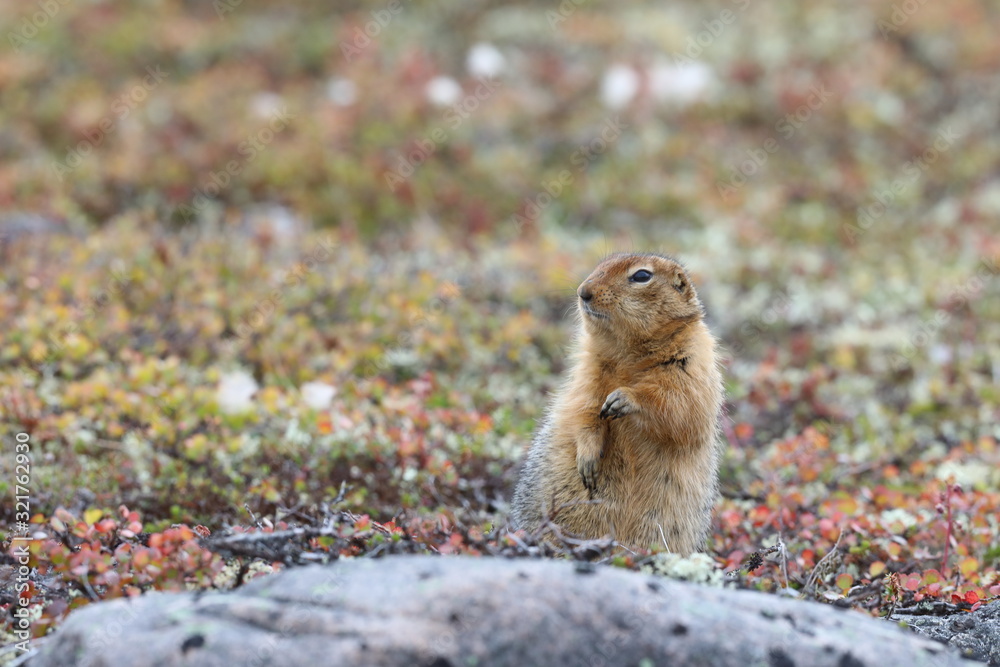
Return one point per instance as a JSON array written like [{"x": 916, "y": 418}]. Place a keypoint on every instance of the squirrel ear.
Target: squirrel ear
[{"x": 678, "y": 282}]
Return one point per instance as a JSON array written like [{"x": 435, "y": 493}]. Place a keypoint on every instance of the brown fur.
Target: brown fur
[{"x": 630, "y": 445}]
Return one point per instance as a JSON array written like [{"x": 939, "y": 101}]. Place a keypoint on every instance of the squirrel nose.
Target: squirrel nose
[{"x": 585, "y": 293}]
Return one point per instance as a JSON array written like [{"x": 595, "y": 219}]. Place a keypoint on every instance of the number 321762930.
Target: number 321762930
[{"x": 22, "y": 477}]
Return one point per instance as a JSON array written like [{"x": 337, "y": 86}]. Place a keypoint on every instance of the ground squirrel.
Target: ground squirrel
[{"x": 630, "y": 444}]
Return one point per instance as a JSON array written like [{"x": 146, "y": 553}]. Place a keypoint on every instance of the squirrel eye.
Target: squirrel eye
[{"x": 640, "y": 276}]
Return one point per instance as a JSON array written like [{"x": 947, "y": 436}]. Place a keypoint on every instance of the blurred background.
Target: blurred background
[
  {"x": 250, "y": 250},
  {"x": 124, "y": 111}
]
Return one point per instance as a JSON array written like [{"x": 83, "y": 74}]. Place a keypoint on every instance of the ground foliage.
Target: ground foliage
[{"x": 826, "y": 172}]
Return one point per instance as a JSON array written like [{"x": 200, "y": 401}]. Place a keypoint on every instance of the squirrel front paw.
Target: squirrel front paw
[
  {"x": 588, "y": 472},
  {"x": 618, "y": 404}
]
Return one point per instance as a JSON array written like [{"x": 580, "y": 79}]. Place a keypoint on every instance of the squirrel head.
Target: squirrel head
[{"x": 637, "y": 297}]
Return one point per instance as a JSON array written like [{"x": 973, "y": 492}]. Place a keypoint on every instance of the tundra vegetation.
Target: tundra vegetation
[{"x": 268, "y": 268}]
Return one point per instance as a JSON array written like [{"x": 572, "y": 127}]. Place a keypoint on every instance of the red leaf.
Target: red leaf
[
  {"x": 971, "y": 597},
  {"x": 743, "y": 430},
  {"x": 106, "y": 526}
]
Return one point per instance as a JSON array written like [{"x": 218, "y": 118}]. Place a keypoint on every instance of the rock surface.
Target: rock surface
[
  {"x": 439, "y": 611},
  {"x": 976, "y": 634}
]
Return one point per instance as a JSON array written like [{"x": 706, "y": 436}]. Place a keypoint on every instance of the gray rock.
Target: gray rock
[
  {"x": 438, "y": 611},
  {"x": 976, "y": 635},
  {"x": 16, "y": 224}
]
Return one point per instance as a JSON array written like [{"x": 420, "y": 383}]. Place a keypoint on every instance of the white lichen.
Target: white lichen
[{"x": 698, "y": 568}]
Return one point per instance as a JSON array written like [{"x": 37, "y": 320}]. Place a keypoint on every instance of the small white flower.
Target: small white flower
[
  {"x": 443, "y": 91},
  {"x": 940, "y": 354},
  {"x": 295, "y": 435},
  {"x": 891, "y": 516},
  {"x": 684, "y": 84},
  {"x": 85, "y": 437},
  {"x": 266, "y": 104},
  {"x": 235, "y": 390},
  {"x": 342, "y": 92},
  {"x": 619, "y": 85},
  {"x": 484, "y": 61},
  {"x": 318, "y": 395}
]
